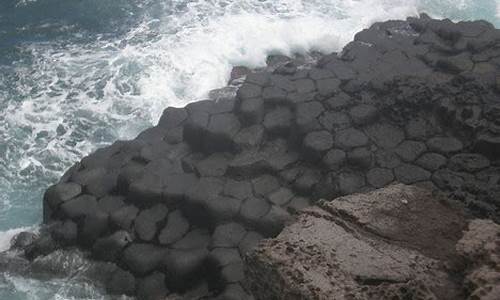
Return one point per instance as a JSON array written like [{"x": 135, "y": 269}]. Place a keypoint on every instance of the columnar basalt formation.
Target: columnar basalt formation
[{"x": 175, "y": 209}]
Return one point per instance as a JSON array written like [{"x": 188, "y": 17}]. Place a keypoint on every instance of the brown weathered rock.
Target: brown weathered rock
[
  {"x": 480, "y": 246},
  {"x": 392, "y": 243}
]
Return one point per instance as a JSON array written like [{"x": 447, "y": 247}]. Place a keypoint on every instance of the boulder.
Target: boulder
[
  {"x": 379, "y": 177},
  {"x": 264, "y": 185},
  {"x": 334, "y": 158},
  {"x": 445, "y": 145},
  {"x": 281, "y": 196},
  {"x": 304, "y": 85},
  {"x": 360, "y": 157},
  {"x": 124, "y": 217},
  {"x": 253, "y": 209},
  {"x": 278, "y": 121},
  {"x": 252, "y": 110},
  {"x": 431, "y": 161},
  {"x": 220, "y": 132},
  {"x": 349, "y": 182},
  {"x": 121, "y": 283},
  {"x": 469, "y": 162},
  {"x": 273, "y": 94},
  {"x": 328, "y": 87},
  {"x": 250, "y": 240},
  {"x": 147, "y": 220},
  {"x": 350, "y": 138},
  {"x": 197, "y": 238},
  {"x": 409, "y": 174},
  {"x": 317, "y": 143},
  {"x": 109, "y": 248},
  {"x": 81, "y": 206},
  {"x": 143, "y": 258},
  {"x": 306, "y": 116},
  {"x": 488, "y": 145},
  {"x": 385, "y": 135},
  {"x": 363, "y": 114},
  {"x": 61, "y": 192},
  {"x": 65, "y": 232},
  {"x": 175, "y": 228},
  {"x": 249, "y": 90},
  {"x": 109, "y": 204},
  {"x": 214, "y": 165},
  {"x": 410, "y": 150},
  {"x": 228, "y": 235},
  {"x": 93, "y": 227},
  {"x": 152, "y": 287},
  {"x": 333, "y": 120},
  {"x": 185, "y": 267},
  {"x": 172, "y": 117},
  {"x": 249, "y": 137},
  {"x": 23, "y": 240}
]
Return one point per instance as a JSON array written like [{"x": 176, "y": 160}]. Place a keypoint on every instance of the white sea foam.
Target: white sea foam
[
  {"x": 56, "y": 289},
  {"x": 7, "y": 235}
]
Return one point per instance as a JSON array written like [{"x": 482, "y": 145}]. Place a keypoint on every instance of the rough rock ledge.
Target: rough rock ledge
[
  {"x": 399, "y": 242},
  {"x": 175, "y": 210}
]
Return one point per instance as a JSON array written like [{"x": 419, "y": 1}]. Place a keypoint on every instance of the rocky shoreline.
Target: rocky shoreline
[{"x": 176, "y": 210}]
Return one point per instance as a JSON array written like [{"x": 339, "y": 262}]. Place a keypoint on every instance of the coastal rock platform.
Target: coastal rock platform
[
  {"x": 400, "y": 242},
  {"x": 175, "y": 210}
]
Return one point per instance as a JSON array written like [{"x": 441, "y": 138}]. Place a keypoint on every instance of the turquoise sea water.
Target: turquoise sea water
[{"x": 76, "y": 75}]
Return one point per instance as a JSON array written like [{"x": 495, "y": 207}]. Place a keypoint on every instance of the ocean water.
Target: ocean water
[{"x": 76, "y": 75}]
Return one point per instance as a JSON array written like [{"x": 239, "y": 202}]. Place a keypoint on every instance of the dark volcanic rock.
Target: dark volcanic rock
[
  {"x": 379, "y": 177},
  {"x": 177, "y": 226},
  {"x": 410, "y": 174},
  {"x": 469, "y": 162},
  {"x": 221, "y": 130},
  {"x": 350, "y": 138},
  {"x": 143, "y": 258},
  {"x": 152, "y": 287},
  {"x": 350, "y": 183},
  {"x": 79, "y": 207},
  {"x": 62, "y": 192},
  {"x": 121, "y": 282},
  {"x": 124, "y": 217},
  {"x": 334, "y": 158},
  {"x": 410, "y": 150},
  {"x": 278, "y": 121},
  {"x": 147, "y": 220},
  {"x": 360, "y": 157},
  {"x": 385, "y": 135},
  {"x": 445, "y": 145},
  {"x": 363, "y": 114},
  {"x": 317, "y": 143},
  {"x": 410, "y": 101},
  {"x": 185, "y": 267},
  {"x": 431, "y": 161},
  {"x": 108, "y": 248}
]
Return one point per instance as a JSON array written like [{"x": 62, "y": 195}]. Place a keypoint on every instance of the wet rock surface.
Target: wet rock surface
[
  {"x": 400, "y": 242},
  {"x": 412, "y": 101}
]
